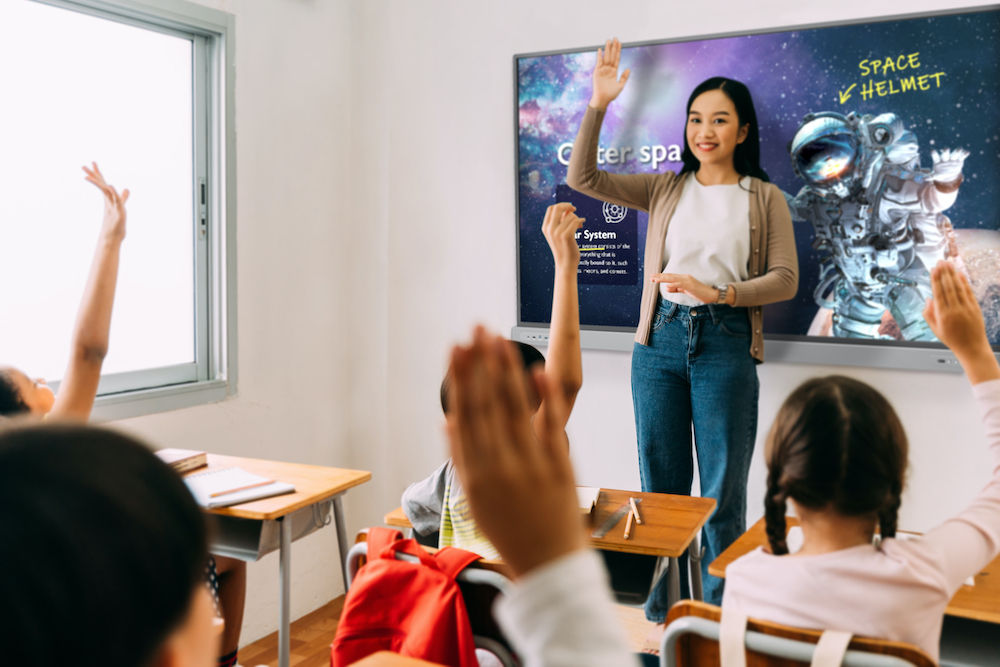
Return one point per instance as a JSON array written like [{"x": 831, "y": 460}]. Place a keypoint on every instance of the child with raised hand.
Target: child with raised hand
[
  {"x": 836, "y": 451},
  {"x": 515, "y": 468},
  {"x": 438, "y": 503},
  {"x": 103, "y": 553},
  {"x": 21, "y": 394}
]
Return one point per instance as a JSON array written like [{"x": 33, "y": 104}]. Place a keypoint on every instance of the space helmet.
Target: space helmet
[{"x": 825, "y": 153}]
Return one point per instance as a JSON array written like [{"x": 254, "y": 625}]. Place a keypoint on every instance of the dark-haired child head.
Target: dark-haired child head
[
  {"x": 104, "y": 550},
  {"x": 529, "y": 357},
  {"x": 21, "y": 395},
  {"x": 836, "y": 446}
]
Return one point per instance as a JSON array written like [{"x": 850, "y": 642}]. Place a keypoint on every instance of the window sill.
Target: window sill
[{"x": 125, "y": 405}]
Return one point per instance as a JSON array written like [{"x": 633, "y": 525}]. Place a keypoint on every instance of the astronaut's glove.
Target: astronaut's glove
[{"x": 948, "y": 165}]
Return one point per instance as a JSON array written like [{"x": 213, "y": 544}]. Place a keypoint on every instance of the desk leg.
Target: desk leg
[
  {"x": 338, "y": 520},
  {"x": 695, "y": 554},
  {"x": 284, "y": 592},
  {"x": 674, "y": 585}
]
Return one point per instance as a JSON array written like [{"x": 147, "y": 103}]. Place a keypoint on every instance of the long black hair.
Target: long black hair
[
  {"x": 746, "y": 158},
  {"x": 102, "y": 548},
  {"x": 836, "y": 443}
]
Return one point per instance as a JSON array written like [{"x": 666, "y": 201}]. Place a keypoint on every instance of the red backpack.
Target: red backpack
[{"x": 414, "y": 609}]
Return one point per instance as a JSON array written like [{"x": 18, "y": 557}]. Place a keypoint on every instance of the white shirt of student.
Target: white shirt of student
[
  {"x": 562, "y": 615},
  {"x": 708, "y": 236}
]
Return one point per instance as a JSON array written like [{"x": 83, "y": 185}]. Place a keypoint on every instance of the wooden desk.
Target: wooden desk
[
  {"x": 669, "y": 526},
  {"x": 669, "y": 523},
  {"x": 980, "y": 602},
  {"x": 755, "y": 537},
  {"x": 397, "y": 519},
  {"x": 245, "y": 531}
]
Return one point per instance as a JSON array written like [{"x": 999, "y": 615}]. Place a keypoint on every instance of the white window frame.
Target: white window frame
[{"x": 212, "y": 376}]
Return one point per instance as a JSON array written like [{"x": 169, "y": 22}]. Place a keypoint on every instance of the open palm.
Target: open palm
[{"x": 607, "y": 84}]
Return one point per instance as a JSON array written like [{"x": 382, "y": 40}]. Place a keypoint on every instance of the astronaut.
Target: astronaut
[{"x": 878, "y": 215}]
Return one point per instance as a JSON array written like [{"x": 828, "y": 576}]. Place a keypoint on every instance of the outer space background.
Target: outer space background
[{"x": 789, "y": 74}]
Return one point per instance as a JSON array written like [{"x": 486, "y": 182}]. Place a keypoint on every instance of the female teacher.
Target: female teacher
[{"x": 719, "y": 245}]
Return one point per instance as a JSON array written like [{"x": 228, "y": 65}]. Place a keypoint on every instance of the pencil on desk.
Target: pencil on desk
[
  {"x": 635, "y": 510},
  {"x": 241, "y": 488},
  {"x": 628, "y": 525}
]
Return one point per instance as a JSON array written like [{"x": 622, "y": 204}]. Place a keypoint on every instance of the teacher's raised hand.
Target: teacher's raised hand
[{"x": 607, "y": 84}]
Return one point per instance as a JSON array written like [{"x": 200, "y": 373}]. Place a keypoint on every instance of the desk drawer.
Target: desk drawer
[{"x": 250, "y": 540}]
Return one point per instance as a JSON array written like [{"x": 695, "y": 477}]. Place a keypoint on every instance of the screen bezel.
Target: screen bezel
[{"x": 814, "y": 350}]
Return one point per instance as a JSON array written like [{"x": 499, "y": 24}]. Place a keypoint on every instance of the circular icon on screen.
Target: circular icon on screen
[{"x": 614, "y": 213}]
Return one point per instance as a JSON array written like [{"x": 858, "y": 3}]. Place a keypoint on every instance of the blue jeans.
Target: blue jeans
[{"x": 697, "y": 370}]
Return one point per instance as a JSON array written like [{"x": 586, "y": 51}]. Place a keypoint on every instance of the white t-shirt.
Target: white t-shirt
[{"x": 708, "y": 236}]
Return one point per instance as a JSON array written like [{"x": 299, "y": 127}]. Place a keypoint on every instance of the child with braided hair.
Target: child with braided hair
[{"x": 837, "y": 453}]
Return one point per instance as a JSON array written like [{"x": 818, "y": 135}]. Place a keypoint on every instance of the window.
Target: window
[{"x": 143, "y": 92}]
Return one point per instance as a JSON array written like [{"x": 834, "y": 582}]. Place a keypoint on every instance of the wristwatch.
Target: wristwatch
[{"x": 723, "y": 292}]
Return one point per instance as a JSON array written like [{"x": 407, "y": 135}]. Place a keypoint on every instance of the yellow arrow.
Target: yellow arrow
[{"x": 846, "y": 95}]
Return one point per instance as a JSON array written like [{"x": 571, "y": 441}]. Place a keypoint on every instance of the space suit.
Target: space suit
[{"x": 878, "y": 214}]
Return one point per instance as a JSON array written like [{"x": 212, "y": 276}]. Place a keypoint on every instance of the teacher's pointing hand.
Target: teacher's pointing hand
[{"x": 688, "y": 284}]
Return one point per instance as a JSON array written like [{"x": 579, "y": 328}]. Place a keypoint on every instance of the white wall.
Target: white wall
[
  {"x": 451, "y": 235},
  {"x": 376, "y": 225},
  {"x": 294, "y": 74}
]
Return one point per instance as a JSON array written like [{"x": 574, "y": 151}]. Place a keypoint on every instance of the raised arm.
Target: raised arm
[
  {"x": 520, "y": 488},
  {"x": 955, "y": 318},
  {"x": 632, "y": 190},
  {"x": 965, "y": 543},
  {"x": 563, "y": 365},
  {"x": 78, "y": 388}
]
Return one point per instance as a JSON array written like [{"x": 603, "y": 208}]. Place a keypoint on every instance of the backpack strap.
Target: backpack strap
[
  {"x": 831, "y": 649},
  {"x": 732, "y": 639},
  {"x": 829, "y": 652},
  {"x": 452, "y": 560},
  {"x": 379, "y": 537}
]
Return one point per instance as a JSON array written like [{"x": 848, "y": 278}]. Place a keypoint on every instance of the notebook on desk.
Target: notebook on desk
[
  {"x": 232, "y": 486},
  {"x": 183, "y": 460}
]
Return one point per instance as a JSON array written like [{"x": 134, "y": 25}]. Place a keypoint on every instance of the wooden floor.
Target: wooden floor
[
  {"x": 312, "y": 634},
  {"x": 310, "y": 640}
]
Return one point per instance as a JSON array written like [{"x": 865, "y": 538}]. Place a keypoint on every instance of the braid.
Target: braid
[
  {"x": 888, "y": 515},
  {"x": 775, "y": 506}
]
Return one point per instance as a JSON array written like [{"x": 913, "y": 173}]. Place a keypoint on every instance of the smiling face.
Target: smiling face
[
  {"x": 37, "y": 395},
  {"x": 713, "y": 129}
]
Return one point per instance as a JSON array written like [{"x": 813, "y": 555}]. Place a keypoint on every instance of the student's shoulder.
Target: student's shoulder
[{"x": 751, "y": 560}]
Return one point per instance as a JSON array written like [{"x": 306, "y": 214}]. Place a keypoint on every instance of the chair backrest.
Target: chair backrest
[
  {"x": 480, "y": 583},
  {"x": 692, "y": 640}
]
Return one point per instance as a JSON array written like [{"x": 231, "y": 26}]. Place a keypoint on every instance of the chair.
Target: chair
[
  {"x": 481, "y": 583},
  {"x": 692, "y": 639}
]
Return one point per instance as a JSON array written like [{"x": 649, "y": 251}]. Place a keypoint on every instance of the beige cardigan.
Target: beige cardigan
[{"x": 773, "y": 266}]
